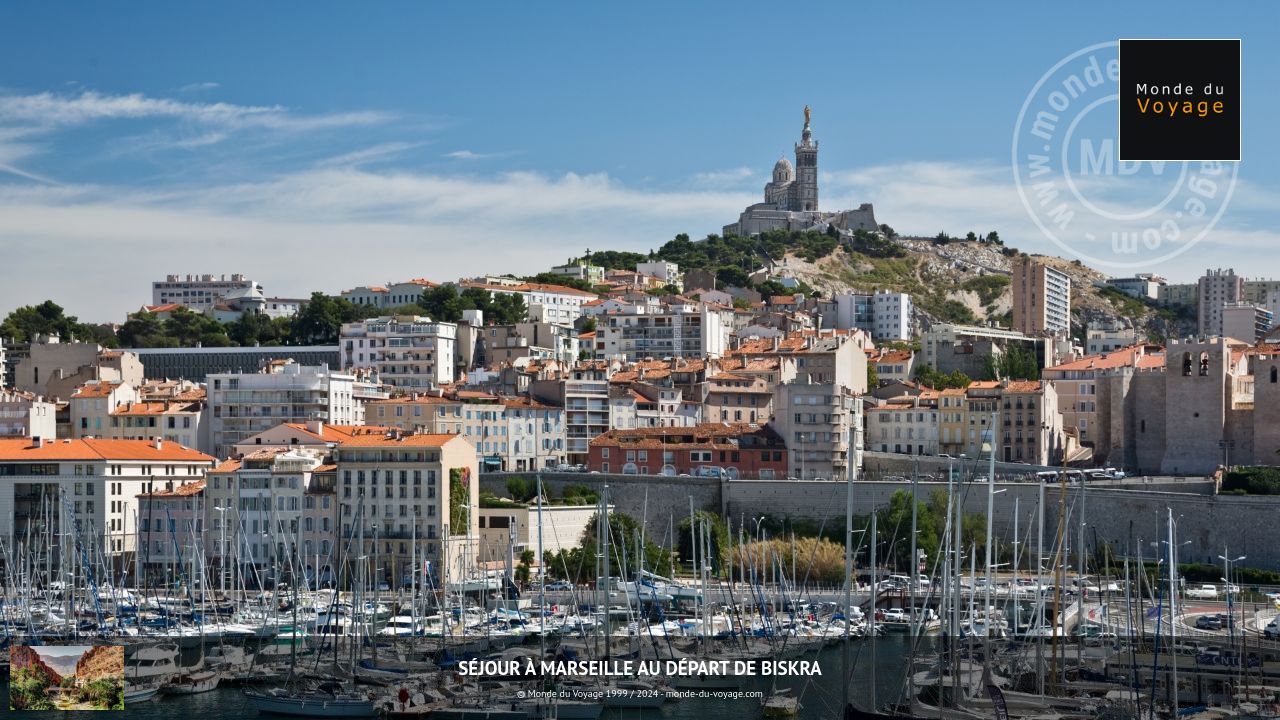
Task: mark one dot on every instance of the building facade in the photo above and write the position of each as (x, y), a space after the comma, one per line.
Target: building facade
(1215, 290)
(405, 351)
(198, 292)
(1041, 298)
(245, 404)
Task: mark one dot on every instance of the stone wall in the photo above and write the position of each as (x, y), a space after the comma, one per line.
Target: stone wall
(1122, 516)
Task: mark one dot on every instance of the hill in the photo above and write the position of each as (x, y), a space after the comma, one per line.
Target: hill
(99, 662)
(23, 657)
(959, 280)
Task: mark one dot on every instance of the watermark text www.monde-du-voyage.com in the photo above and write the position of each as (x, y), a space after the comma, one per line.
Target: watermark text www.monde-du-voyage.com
(1130, 171)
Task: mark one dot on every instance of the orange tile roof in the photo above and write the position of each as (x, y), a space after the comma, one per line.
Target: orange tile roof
(154, 408)
(894, 356)
(227, 466)
(166, 307)
(98, 449)
(397, 440)
(324, 468)
(183, 490)
(340, 433)
(1124, 357)
(1023, 386)
(95, 390)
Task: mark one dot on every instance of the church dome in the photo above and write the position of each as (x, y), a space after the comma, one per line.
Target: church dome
(782, 171)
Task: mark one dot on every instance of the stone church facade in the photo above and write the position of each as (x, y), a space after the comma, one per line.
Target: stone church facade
(791, 198)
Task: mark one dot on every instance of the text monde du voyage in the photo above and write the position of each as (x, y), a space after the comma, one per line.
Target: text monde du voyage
(1180, 99)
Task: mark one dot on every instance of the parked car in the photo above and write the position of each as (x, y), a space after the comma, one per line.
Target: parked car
(1208, 622)
(895, 615)
(559, 585)
(1204, 592)
(1272, 630)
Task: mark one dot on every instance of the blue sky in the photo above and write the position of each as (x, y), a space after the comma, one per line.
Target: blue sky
(323, 146)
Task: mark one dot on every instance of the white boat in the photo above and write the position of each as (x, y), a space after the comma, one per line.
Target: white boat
(192, 683)
(151, 661)
(318, 703)
(139, 693)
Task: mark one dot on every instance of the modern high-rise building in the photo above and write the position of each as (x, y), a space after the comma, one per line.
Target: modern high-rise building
(1216, 289)
(1041, 298)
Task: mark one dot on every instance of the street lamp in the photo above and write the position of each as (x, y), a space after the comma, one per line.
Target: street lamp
(1226, 579)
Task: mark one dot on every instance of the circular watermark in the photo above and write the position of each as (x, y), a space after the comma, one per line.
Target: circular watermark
(1082, 196)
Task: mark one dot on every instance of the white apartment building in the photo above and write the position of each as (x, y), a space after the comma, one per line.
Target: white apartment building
(584, 395)
(24, 414)
(891, 313)
(245, 404)
(92, 482)
(667, 272)
(1101, 338)
(692, 330)
(198, 292)
(405, 351)
(508, 433)
(388, 296)
(255, 512)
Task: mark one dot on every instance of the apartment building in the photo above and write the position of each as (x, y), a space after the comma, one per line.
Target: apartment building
(242, 405)
(1215, 290)
(55, 369)
(405, 351)
(732, 450)
(393, 487)
(584, 394)
(508, 433)
(255, 514)
(691, 330)
(92, 485)
(817, 421)
(1245, 321)
(198, 292)
(819, 356)
(171, 524)
(494, 346)
(24, 414)
(907, 424)
(737, 398)
(1041, 298)
(1030, 427)
(391, 295)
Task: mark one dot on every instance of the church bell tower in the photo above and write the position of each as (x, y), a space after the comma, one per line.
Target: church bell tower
(806, 183)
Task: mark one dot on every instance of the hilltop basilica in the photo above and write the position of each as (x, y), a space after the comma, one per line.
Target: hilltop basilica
(791, 198)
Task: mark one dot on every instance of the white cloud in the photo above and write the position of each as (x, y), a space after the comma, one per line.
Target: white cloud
(732, 179)
(365, 156)
(50, 110)
(198, 87)
(469, 155)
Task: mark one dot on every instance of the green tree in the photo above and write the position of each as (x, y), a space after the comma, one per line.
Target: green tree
(873, 377)
(719, 539)
(47, 318)
(521, 488)
(459, 500)
(188, 327)
(141, 330)
(1015, 363)
(894, 527)
(319, 322)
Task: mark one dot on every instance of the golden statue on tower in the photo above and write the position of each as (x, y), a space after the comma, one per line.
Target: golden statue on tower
(806, 114)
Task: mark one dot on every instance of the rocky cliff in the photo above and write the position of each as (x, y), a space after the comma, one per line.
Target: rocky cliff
(21, 656)
(101, 661)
